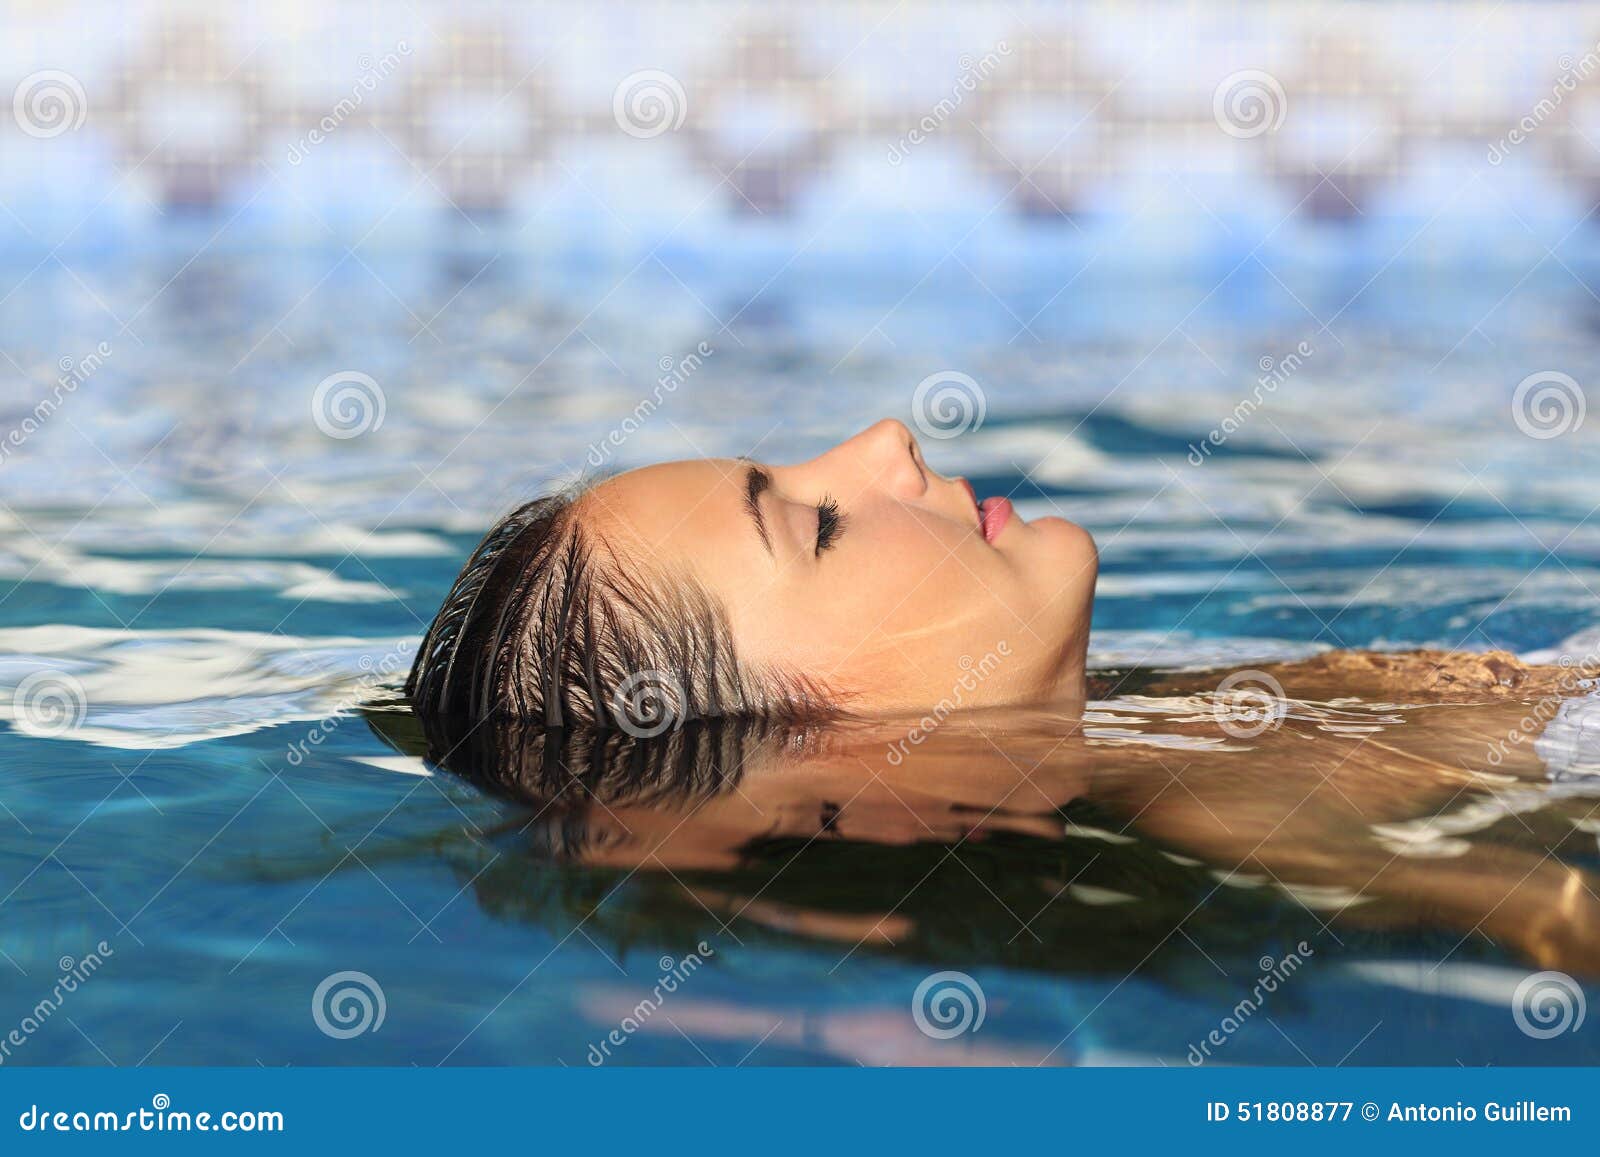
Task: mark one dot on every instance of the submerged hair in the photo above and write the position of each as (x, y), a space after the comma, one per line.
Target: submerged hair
(546, 624)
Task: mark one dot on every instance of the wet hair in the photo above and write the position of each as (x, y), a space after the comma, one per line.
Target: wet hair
(571, 778)
(572, 769)
(547, 624)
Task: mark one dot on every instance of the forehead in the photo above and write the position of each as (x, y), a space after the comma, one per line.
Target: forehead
(676, 512)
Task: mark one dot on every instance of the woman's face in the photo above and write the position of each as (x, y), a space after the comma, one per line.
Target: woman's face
(867, 571)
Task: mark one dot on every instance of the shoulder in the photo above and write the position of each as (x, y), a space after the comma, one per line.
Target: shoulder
(1422, 676)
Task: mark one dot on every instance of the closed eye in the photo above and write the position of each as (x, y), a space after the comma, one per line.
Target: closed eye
(830, 523)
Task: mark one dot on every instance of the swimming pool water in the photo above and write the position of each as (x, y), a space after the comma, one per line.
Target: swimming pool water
(225, 581)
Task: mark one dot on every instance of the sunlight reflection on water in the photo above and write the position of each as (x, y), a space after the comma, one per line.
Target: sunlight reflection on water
(218, 573)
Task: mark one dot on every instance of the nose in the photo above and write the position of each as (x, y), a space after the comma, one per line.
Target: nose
(885, 456)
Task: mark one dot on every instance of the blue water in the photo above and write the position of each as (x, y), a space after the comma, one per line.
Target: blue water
(218, 575)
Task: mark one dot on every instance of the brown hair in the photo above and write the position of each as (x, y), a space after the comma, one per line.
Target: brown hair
(546, 624)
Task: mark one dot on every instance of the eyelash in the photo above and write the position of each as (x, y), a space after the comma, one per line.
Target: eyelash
(829, 522)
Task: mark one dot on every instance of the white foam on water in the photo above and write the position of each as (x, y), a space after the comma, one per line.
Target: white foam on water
(1178, 651)
(1570, 743)
(25, 559)
(1482, 983)
(171, 688)
(399, 764)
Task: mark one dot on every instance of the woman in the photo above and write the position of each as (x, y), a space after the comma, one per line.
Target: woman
(1384, 819)
(692, 672)
(860, 583)
(855, 583)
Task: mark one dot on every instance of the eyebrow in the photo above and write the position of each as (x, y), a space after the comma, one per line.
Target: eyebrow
(757, 480)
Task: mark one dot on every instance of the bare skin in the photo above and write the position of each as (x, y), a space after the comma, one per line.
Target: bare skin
(1350, 808)
(1369, 802)
(888, 597)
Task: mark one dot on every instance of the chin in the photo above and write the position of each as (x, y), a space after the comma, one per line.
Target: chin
(1068, 565)
(1071, 548)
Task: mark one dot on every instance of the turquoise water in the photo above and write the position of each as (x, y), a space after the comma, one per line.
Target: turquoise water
(217, 574)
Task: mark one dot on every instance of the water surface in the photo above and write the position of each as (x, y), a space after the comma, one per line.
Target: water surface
(224, 581)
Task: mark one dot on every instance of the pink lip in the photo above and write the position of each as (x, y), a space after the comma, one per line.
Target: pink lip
(995, 513)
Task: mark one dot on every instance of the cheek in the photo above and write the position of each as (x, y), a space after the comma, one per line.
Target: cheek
(909, 569)
(931, 600)
(896, 583)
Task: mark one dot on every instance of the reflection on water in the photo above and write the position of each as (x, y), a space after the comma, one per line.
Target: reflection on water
(1135, 815)
(220, 583)
(1371, 843)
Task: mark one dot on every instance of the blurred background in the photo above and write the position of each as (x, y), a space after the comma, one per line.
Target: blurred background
(1293, 304)
(482, 238)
